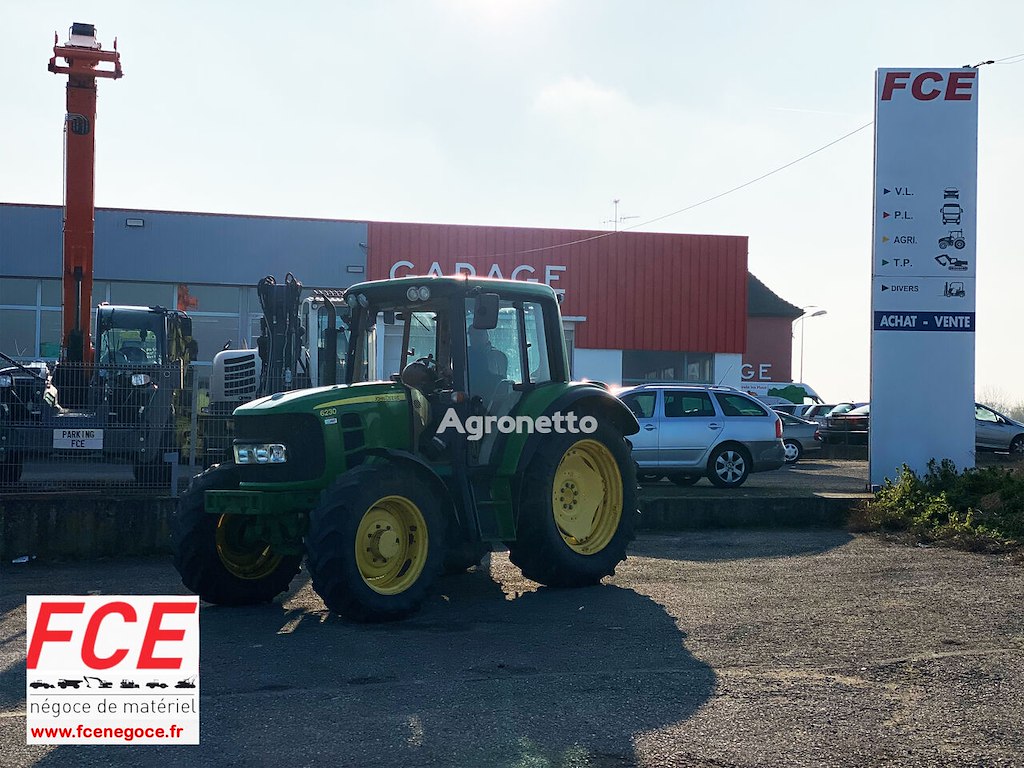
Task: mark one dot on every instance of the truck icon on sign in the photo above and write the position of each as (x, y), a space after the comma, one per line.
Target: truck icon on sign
(951, 213)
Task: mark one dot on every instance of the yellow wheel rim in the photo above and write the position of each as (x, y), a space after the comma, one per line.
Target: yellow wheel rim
(586, 497)
(242, 557)
(391, 545)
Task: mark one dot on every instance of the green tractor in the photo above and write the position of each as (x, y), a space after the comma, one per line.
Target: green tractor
(474, 436)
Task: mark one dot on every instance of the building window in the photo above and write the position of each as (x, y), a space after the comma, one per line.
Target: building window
(18, 332)
(641, 367)
(141, 294)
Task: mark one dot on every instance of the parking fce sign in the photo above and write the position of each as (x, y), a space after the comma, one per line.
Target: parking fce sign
(112, 669)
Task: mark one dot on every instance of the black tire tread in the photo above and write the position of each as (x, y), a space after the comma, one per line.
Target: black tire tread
(193, 533)
(334, 574)
(538, 550)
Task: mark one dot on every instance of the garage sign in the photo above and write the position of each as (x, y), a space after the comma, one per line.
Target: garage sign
(923, 267)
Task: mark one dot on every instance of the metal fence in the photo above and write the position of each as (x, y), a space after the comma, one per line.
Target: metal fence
(124, 429)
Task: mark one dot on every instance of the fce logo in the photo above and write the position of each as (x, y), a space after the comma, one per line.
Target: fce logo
(112, 670)
(928, 86)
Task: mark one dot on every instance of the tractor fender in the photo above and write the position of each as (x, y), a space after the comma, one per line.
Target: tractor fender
(417, 464)
(592, 401)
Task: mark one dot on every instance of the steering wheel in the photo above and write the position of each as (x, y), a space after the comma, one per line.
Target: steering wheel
(422, 374)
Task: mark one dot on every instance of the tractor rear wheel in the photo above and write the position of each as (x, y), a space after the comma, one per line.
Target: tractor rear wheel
(375, 543)
(217, 556)
(578, 509)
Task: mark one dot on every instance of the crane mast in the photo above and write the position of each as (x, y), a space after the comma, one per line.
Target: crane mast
(83, 57)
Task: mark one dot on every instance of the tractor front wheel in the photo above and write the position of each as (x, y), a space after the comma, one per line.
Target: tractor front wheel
(218, 556)
(375, 543)
(578, 509)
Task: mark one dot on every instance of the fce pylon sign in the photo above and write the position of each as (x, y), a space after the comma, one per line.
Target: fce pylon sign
(923, 267)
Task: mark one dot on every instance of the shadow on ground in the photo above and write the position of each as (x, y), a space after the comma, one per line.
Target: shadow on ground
(483, 676)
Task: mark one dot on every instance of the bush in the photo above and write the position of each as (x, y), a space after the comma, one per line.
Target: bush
(981, 508)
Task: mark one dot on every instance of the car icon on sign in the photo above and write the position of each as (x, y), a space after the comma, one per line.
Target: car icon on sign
(951, 213)
(951, 193)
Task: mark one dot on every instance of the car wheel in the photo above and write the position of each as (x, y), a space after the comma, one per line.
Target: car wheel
(684, 481)
(1017, 447)
(793, 451)
(728, 467)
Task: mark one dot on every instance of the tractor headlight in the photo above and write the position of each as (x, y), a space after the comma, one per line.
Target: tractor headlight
(363, 301)
(6, 381)
(412, 294)
(140, 379)
(261, 453)
(424, 293)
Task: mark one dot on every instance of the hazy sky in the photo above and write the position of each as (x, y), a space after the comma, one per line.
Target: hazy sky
(538, 113)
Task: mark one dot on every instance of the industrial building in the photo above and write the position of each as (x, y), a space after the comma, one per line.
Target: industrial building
(637, 306)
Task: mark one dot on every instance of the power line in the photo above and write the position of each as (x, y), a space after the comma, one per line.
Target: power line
(686, 208)
(754, 181)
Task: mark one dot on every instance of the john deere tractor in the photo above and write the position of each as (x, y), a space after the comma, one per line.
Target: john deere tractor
(467, 432)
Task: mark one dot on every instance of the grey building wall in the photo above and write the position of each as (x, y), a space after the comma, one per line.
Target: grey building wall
(178, 247)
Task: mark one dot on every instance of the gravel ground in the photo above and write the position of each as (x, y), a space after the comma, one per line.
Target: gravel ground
(725, 648)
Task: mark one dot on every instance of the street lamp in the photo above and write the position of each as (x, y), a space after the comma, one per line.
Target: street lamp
(818, 313)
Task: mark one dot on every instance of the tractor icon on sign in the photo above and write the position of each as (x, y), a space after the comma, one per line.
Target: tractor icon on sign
(954, 238)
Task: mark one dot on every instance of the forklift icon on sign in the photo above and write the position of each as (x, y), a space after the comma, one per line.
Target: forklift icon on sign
(954, 290)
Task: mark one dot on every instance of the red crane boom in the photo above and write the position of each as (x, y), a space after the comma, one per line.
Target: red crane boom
(82, 55)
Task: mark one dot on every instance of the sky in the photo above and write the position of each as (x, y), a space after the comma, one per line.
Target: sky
(539, 113)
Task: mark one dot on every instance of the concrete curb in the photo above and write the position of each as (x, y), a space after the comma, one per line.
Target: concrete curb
(84, 527)
(703, 513)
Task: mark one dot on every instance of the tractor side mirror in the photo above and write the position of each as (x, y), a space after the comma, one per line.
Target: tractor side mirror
(485, 311)
(389, 316)
(186, 326)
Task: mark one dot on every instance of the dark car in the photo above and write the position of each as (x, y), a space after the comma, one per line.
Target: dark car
(992, 430)
(846, 428)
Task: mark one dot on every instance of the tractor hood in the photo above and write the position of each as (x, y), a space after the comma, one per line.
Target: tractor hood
(320, 398)
(325, 430)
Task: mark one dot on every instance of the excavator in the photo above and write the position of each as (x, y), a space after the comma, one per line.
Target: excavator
(115, 388)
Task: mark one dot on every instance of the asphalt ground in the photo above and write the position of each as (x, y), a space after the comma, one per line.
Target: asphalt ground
(810, 476)
(723, 648)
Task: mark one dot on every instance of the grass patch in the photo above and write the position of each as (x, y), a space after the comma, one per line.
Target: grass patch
(980, 509)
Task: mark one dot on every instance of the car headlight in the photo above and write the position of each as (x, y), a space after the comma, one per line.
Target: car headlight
(261, 453)
(6, 381)
(140, 379)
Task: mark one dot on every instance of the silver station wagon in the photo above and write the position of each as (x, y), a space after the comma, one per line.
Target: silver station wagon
(690, 431)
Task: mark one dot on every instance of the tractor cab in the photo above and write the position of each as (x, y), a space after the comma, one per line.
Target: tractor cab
(475, 345)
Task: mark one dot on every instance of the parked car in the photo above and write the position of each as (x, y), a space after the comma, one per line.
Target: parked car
(846, 426)
(992, 430)
(690, 431)
(798, 436)
(995, 432)
(817, 412)
(791, 408)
